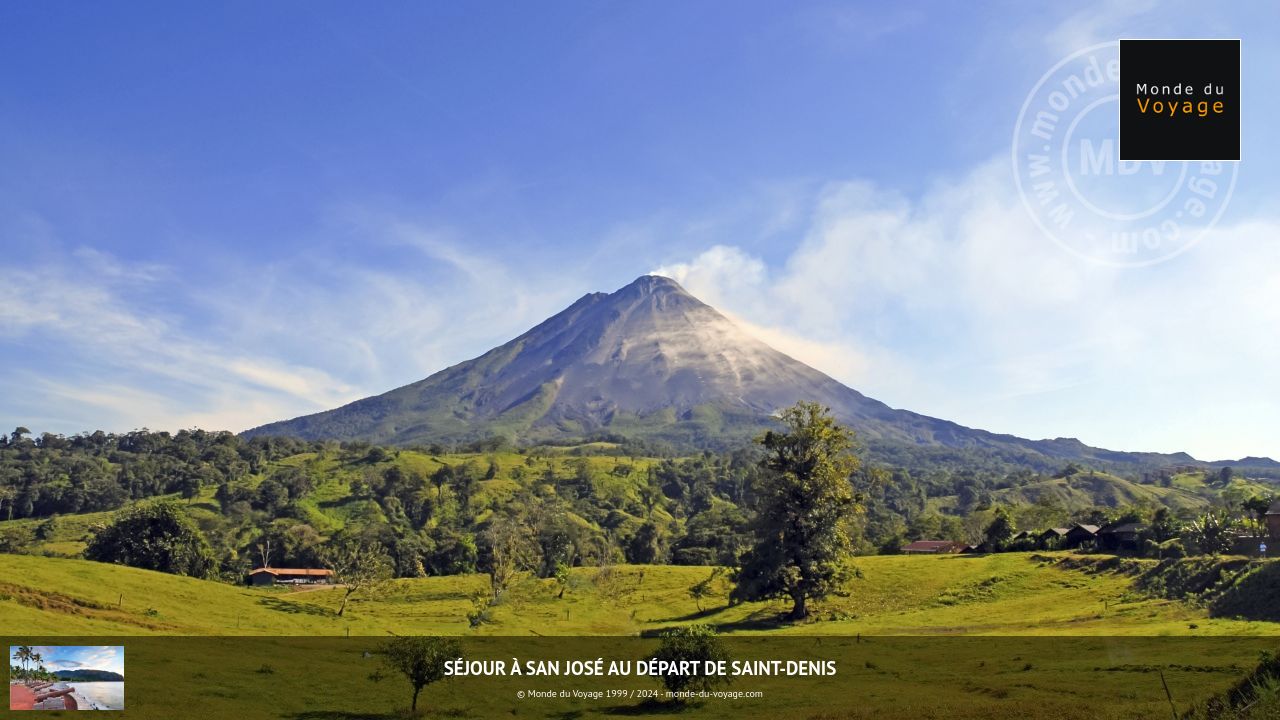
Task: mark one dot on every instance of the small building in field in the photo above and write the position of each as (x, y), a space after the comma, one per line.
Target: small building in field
(1273, 520)
(1123, 536)
(1079, 534)
(934, 547)
(1022, 540)
(1052, 538)
(290, 576)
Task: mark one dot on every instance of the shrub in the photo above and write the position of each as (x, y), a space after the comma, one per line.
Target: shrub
(153, 536)
(694, 642)
(1174, 548)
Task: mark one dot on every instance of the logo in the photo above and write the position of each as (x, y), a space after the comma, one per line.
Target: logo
(1066, 162)
(1180, 99)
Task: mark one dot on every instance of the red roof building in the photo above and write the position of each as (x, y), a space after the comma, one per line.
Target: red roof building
(291, 576)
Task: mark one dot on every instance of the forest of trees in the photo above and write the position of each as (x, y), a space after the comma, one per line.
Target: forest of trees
(57, 475)
(695, 510)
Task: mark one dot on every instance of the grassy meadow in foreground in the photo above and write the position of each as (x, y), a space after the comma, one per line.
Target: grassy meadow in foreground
(341, 679)
(1005, 594)
(1077, 635)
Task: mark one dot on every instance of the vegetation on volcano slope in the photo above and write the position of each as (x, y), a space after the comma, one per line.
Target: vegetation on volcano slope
(433, 511)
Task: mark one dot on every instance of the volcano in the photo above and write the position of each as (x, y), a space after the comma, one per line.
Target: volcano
(651, 362)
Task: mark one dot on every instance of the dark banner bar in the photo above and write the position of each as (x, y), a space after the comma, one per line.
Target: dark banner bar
(302, 678)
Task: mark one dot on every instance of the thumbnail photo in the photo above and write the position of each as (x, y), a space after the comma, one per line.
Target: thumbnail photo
(66, 677)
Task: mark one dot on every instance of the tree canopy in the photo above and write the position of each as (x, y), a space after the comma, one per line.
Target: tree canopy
(805, 503)
(420, 659)
(153, 536)
(360, 565)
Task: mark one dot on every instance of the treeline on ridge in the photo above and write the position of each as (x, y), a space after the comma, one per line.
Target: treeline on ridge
(445, 510)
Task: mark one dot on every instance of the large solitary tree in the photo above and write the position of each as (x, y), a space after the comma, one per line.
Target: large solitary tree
(805, 503)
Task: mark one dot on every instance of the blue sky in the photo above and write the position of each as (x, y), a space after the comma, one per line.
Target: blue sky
(227, 215)
(77, 657)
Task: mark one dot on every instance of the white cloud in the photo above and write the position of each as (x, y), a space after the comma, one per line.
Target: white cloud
(116, 345)
(730, 280)
(87, 319)
(956, 305)
(721, 268)
(85, 326)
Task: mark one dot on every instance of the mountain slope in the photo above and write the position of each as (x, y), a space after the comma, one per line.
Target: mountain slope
(648, 361)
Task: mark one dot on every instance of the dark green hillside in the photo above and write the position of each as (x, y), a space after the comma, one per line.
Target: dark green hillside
(433, 512)
(89, 675)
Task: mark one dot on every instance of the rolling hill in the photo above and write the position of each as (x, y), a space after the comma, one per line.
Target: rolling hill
(1005, 594)
(1052, 631)
(86, 675)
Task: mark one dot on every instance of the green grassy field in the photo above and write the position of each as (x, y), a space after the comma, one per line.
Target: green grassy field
(1013, 635)
(1048, 637)
(1007, 594)
(1035, 635)
(894, 678)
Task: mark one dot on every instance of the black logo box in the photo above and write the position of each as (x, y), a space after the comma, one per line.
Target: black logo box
(1155, 74)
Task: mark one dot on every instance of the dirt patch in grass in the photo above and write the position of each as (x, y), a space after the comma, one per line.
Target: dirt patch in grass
(56, 602)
